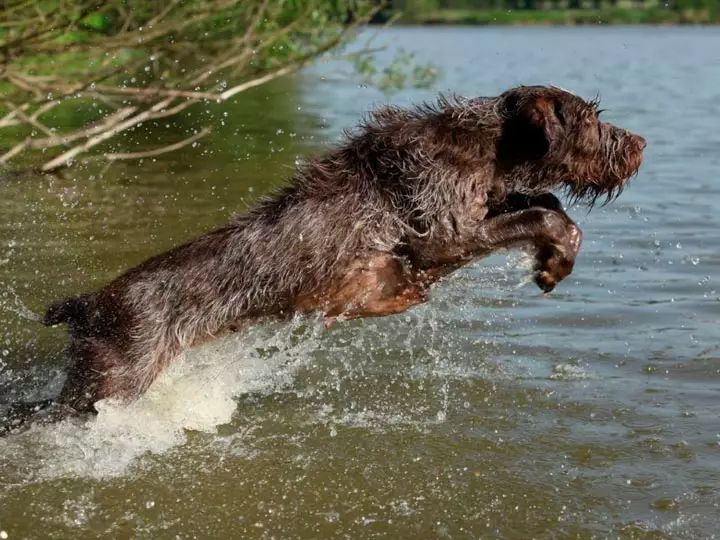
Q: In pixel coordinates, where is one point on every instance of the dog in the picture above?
(406, 198)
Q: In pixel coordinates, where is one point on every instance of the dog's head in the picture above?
(551, 137)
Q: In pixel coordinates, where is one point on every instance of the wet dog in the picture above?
(408, 197)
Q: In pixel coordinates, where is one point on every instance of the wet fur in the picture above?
(405, 198)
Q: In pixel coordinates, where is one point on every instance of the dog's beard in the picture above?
(601, 187)
(592, 193)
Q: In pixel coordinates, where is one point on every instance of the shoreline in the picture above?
(580, 17)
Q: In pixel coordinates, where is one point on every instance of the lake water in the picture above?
(490, 412)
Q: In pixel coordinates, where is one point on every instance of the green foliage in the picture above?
(404, 70)
(140, 58)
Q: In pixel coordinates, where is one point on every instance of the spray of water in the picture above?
(199, 391)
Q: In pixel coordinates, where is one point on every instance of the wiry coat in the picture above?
(405, 198)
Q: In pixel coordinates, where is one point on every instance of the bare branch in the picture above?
(106, 123)
(54, 27)
(14, 151)
(21, 82)
(33, 121)
(163, 13)
(150, 153)
(58, 140)
(256, 20)
(148, 93)
(63, 158)
(10, 120)
(242, 57)
(230, 92)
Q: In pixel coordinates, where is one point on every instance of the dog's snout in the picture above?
(640, 142)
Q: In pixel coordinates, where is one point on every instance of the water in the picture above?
(491, 412)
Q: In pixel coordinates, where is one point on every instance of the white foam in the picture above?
(196, 393)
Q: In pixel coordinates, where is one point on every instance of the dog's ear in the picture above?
(532, 124)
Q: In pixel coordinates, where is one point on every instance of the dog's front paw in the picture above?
(552, 265)
(545, 280)
(555, 260)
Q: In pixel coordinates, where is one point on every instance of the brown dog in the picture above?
(362, 231)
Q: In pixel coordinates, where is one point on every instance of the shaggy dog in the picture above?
(408, 197)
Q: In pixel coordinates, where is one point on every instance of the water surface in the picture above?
(490, 412)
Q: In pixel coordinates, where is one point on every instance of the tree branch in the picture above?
(150, 153)
(172, 54)
(33, 121)
(63, 158)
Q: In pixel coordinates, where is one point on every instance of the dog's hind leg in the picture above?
(92, 375)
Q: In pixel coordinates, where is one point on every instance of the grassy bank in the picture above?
(614, 16)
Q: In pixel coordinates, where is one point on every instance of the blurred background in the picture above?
(553, 11)
(127, 127)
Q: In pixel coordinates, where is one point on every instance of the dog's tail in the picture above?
(66, 310)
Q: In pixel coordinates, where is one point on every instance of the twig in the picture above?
(106, 123)
(150, 153)
(58, 28)
(242, 57)
(163, 13)
(254, 23)
(260, 80)
(150, 92)
(14, 151)
(30, 120)
(21, 82)
(63, 158)
(10, 120)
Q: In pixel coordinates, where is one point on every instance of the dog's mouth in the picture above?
(607, 182)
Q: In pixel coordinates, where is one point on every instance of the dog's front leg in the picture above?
(552, 262)
(551, 233)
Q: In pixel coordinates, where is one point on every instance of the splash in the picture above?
(196, 393)
(18, 307)
(199, 391)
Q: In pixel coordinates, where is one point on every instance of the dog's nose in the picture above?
(640, 142)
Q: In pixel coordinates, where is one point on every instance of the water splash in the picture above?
(199, 391)
(196, 393)
(17, 306)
